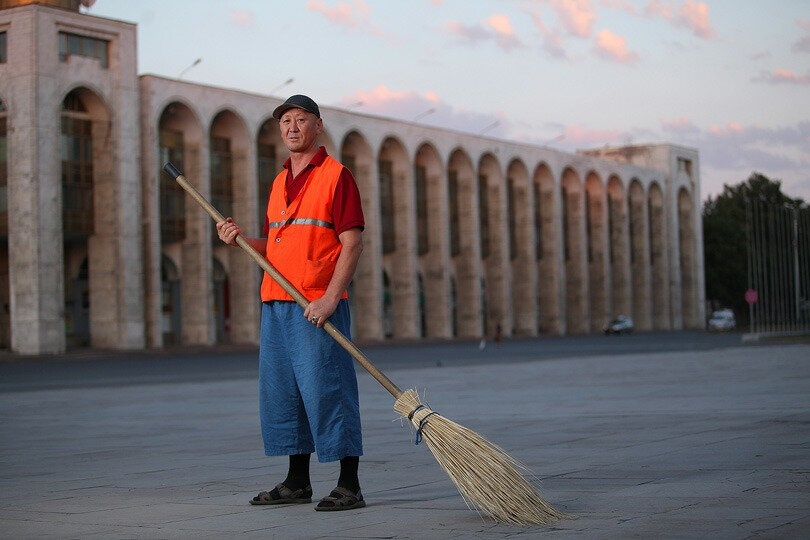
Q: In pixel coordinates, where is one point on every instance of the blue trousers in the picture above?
(307, 386)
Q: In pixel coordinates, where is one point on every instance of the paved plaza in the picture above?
(684, 444)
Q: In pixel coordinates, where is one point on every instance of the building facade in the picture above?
(463, 233)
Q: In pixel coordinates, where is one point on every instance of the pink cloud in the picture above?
(408, 105)
(576, 16)
(691, 14)
(505, 37)
(676, 122)
(243, 18)
(614, 47)
(354, 15)
(622, 5)
(782, 76)
(577, 136)
(497, 28)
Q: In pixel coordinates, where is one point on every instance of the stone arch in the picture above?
(523, 258)
(357, 156)
(547, 251)
(179, 231)
(619, 249)
(659, 264)
(494, 245)
(687, 244)
(596, 248)
(89, 215)
(397, 209)
(639, 255)
(464, 246)
(233, 191)
(574, 251)
(433, 239)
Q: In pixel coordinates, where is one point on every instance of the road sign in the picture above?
(751, 296)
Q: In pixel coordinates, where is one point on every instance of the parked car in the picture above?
(722, 320)
(622, 324)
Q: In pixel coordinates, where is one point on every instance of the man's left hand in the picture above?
(319, 310)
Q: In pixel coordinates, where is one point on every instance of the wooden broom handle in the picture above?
(300, 299)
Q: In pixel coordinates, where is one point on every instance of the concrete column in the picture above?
(367, 291)
(196, 287)
(36, 280)
(467, 264)
(640, 258)
(497, 270)
(550, 269)
(598, 263)
(576, 263)
(243, 272)
(150, 181)
(524, 279)
(620, 274)
(659, 262)
(435, 264)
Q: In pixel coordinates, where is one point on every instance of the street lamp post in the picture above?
(282, 85)
(197, 61)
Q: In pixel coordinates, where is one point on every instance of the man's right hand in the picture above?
(228, 231)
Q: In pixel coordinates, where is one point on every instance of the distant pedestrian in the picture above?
(498, 335)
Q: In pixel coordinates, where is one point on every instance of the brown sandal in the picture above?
(281, 494)
(341, 499)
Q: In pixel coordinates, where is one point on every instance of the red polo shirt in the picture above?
(347, 211)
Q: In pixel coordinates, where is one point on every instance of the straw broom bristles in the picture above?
(487, 477)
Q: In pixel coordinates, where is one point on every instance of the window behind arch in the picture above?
(538, 223)
(421, 210)
(455, 226)
(510, 211)
(76, 149)
(483, 208)
(172, 196)
(221, 176)
(386, 172)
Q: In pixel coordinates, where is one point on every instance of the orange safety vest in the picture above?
(301, 241)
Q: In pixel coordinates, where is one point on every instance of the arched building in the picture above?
(463, 233)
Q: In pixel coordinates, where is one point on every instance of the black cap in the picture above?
(297, 101)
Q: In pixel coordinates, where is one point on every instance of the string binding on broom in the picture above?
(422, 422)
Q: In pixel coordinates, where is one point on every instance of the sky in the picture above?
(728, 77)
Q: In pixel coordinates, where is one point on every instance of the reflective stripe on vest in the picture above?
(300, 221)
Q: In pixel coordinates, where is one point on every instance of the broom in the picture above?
(487, 477)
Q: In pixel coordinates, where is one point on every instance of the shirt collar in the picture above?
(317, 159)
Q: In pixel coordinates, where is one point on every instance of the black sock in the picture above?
(348, 473)
(298, 475)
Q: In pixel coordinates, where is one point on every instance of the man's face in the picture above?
(300, 129)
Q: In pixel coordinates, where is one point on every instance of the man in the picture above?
(307, 385)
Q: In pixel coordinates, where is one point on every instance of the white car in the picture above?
(622, 324)
(722, 320)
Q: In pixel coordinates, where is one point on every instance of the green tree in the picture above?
(725, 240)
